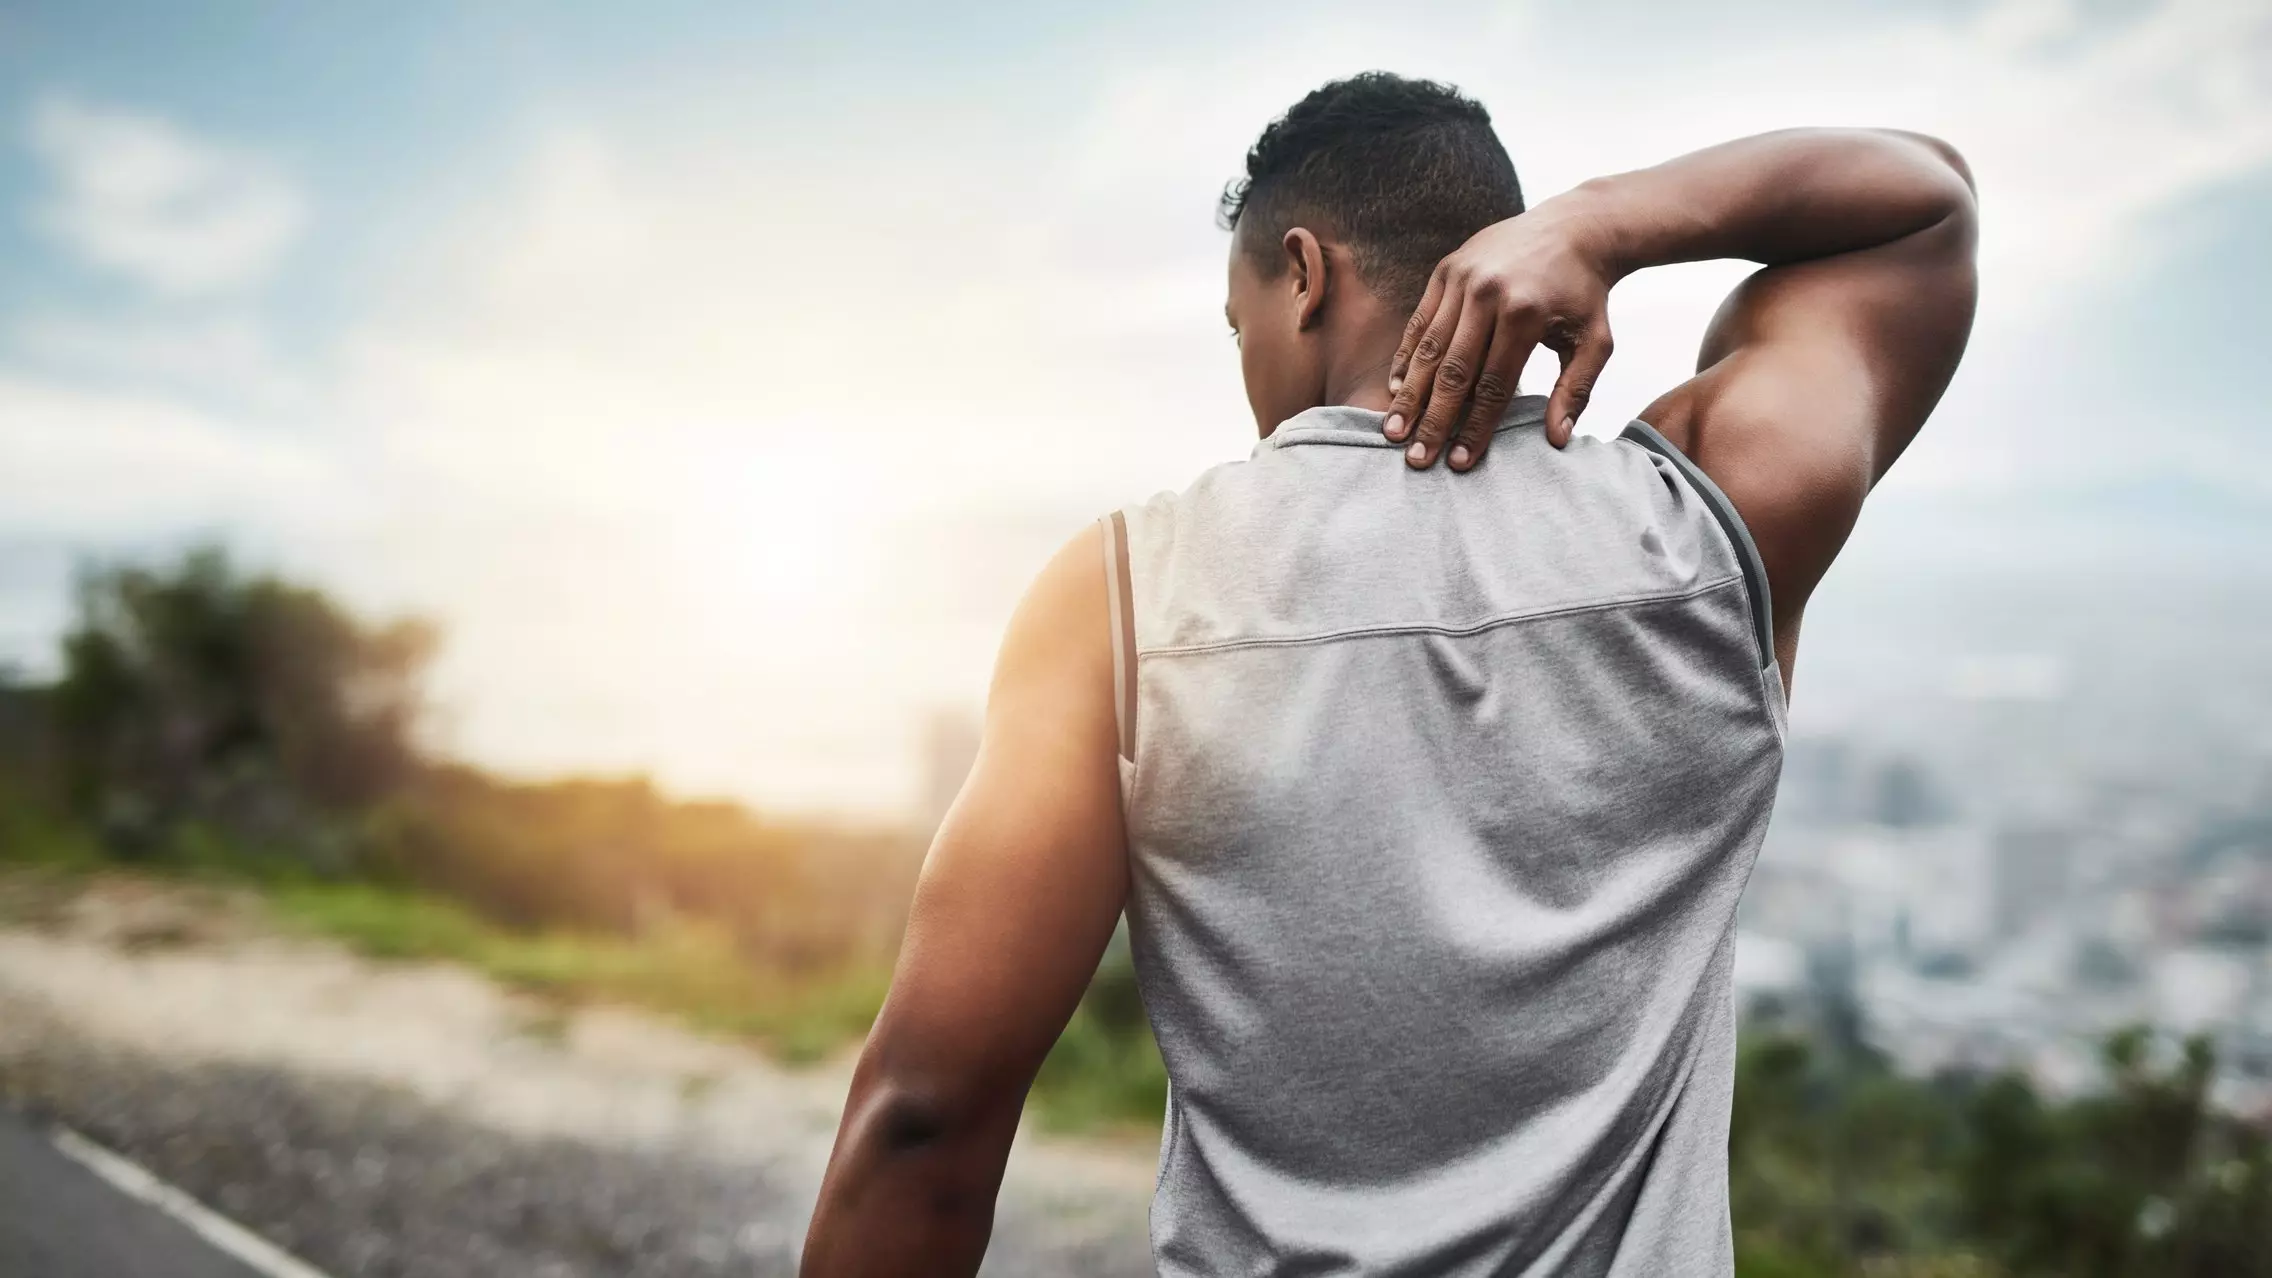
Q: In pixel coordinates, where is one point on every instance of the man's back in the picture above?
(1440, 795)
(1429, 796)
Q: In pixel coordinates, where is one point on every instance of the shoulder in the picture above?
(1069, 591)
(1056, 655)
(1789, 446)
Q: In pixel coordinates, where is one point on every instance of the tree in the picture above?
(195, 691)
(2142, 1180)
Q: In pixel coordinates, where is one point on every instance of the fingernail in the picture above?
(1459, 454)
(1569, 424)
(1394, 426)
(1418, 451)
(1395, 384)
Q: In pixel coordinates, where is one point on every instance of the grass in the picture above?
(1099, 1078)
(689, 971)
(1105, 1072)
(1103, 1075)
(32, 835)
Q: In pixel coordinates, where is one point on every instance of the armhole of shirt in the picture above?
(1123, 617)
(1747, 558)
(1731, 524)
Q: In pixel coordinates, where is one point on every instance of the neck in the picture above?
(1356, 373)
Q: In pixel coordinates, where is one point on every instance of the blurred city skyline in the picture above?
(717, 376)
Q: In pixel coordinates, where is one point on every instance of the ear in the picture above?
(1305, 262)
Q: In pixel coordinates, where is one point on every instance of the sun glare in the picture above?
(788, 537)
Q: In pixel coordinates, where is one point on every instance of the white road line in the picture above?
(230, 1237)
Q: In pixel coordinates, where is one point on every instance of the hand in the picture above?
(1530, 281)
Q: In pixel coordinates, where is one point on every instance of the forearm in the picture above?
(1773, 199)
(910, 1191)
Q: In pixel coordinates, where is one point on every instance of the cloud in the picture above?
(722, 444)
(102, 467)
(221, 357)
(138, 196)
(767, 397)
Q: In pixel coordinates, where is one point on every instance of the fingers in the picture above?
(1454, 380)
(1415, 327)
(1582, 362)
(1509, 350)
(1410, 393)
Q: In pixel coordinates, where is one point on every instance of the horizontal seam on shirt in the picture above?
(1451, 632)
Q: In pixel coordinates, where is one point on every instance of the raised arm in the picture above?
(1815, 374)
(1016, 903)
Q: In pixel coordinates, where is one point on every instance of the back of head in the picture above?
(1402, 171)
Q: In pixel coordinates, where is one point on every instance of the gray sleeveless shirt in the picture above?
(1440, 793)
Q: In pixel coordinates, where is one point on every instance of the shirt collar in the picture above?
(1361, 427)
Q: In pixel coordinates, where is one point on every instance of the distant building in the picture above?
(1818, 780)
(2197, 988)
(2031, 875)
(1904, 796)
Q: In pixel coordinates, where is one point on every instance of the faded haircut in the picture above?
(1403, 171)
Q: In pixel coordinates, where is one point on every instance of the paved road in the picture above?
(60, 1220)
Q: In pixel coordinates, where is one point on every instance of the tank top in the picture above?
(1440, 792)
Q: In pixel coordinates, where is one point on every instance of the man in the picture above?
(1429, 791)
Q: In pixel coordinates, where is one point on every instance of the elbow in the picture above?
(919, 1097)
(909, 1189)
(911, 1119)
(1947, 157)
(943, 1154)
(1943, 168)
(905, 1121)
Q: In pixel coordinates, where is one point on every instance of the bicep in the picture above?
(1813, 378)
(1026, 877)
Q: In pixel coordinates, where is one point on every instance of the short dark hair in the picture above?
(1402, 170)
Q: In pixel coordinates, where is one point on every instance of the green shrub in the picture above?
(1105, 1070)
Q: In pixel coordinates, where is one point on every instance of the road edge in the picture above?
(229, 1237)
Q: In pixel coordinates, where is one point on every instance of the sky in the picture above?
(716, 375)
